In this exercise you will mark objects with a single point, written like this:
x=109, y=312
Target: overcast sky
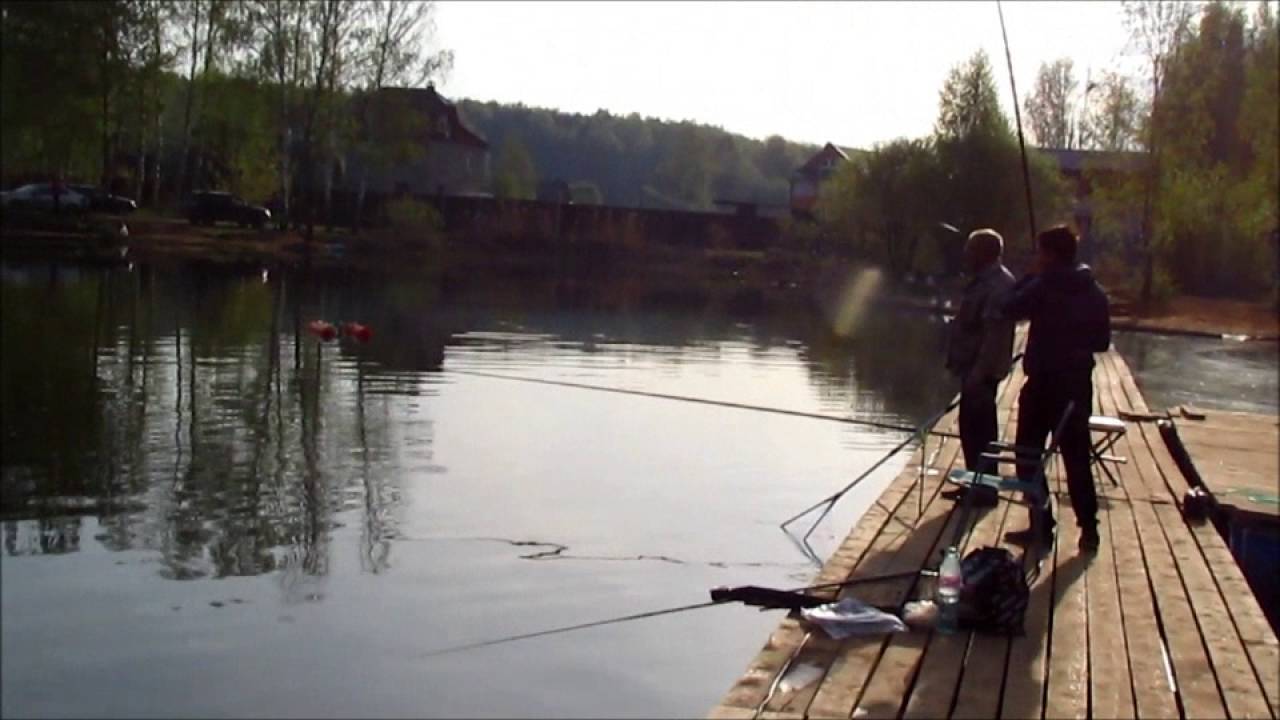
x=854, y=73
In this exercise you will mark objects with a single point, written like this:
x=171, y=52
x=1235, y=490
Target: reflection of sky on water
x=1204, y=372
x=202, y=516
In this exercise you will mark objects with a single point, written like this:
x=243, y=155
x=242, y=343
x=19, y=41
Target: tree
x=968, y=101
x=150, y=57
x=1157, y=28
x=514, y=174
x=880, y=202
x=982, y=161
x=47, y=94
x=332, y=26
x=393, y=55
x=1111, y=116
x=1050, y=107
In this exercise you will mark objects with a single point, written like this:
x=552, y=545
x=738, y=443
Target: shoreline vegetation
x=750, y=278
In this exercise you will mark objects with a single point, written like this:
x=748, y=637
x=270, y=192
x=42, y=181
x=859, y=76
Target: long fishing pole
x=830, y=501
x=1017, y=116
x=703, y=401
x=665, y=611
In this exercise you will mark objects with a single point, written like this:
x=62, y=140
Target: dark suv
x=209, y=208
x=102, y=201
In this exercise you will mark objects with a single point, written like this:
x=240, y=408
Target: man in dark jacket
x=979, y=346
x=1070, y=321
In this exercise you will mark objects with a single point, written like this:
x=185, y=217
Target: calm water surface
x=1204, y=372
x=206, y=512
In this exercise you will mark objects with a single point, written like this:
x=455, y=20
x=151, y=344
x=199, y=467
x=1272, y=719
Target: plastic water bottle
x=950, y=581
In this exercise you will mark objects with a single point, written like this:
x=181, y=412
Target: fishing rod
x=702, y=401
x=828, y=503
x=1017, y=115
x=764, y=598
x=920, y=433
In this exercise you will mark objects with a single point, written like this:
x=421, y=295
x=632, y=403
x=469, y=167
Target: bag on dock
x=995, y=593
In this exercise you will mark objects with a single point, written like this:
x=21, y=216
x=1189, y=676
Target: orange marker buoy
x=355, y=330
x=323, y=330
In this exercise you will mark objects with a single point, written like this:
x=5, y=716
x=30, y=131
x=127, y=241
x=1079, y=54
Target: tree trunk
x=190, y=101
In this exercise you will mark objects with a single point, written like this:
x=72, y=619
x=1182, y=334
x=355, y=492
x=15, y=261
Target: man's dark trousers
x=1040, y=407
x=978, y=424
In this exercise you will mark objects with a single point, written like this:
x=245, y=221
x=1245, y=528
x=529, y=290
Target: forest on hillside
x=631, y=160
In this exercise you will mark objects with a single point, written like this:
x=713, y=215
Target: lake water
x=207, y=512
x=1204, y=372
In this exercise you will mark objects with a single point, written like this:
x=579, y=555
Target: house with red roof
x=807, y=180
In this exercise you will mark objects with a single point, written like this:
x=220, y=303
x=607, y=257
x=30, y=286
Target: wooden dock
x=1159, y=623
x=1237, y=455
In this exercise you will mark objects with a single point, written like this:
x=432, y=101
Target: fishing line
x=1017, y=115
x=653, y=613
x=702, y=401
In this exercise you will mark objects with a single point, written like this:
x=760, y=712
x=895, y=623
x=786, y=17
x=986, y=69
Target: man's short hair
x=988, y=240
x=1060, y=243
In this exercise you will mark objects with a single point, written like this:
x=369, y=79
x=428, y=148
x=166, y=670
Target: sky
x=852, y=73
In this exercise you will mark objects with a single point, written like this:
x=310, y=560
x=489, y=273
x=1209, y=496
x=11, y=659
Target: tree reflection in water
x=170, y=389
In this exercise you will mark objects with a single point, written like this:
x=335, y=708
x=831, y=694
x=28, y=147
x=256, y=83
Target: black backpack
x=995, y=593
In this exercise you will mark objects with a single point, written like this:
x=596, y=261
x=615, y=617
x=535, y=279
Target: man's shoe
x=1089, y=539
x=956, y=494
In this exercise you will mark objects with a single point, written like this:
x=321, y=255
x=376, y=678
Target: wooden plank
x=1153, y=692
x=944, y=661
x=889, y=680
x=848, y=660
x=845, y=684
x=856, y=658
x=982, y=682
x=1197, y=684
x=752, y=688
x=1225, y=612
x=1110, y=679
x=1067, y=655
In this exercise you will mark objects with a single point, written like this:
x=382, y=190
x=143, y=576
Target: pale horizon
x=852, y=73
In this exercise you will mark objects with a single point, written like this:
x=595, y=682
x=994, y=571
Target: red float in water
x=323, y=330
x=355, y=330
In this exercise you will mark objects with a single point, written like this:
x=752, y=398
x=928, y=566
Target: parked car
x=41, y=196
x=210, y=208
x=103, y=201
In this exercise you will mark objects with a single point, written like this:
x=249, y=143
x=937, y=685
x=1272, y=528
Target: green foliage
x=880, y=202
x=647, y=162
x=1050, y=108
x=1215, y=191
x=415, y=221
x=887, y=205
x=514, y=173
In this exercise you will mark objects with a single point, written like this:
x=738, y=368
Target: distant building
x=423, y=147
x=807, y=180
x=1085, y=168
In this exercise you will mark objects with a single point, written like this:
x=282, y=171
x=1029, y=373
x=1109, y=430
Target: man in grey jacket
x=980, y=346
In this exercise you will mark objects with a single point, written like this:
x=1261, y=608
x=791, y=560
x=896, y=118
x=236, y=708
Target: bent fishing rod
x=1017, y=116
x=702, y=401
x=764, y=598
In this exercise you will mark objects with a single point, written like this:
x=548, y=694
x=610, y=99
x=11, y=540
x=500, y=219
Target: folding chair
x=1109, y=430
x=1034, y=491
